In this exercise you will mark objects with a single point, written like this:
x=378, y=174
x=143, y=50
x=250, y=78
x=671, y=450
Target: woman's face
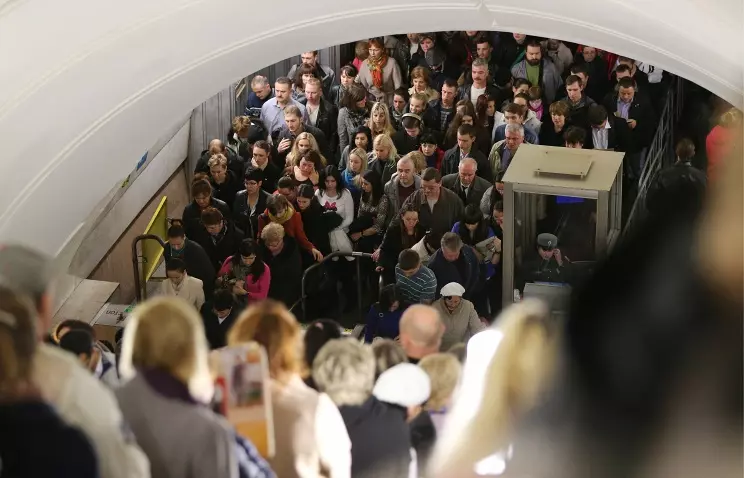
x=491, y=110
x=346, y=80
x=428, y=149
x=219, y=174
x=394, y=306
x=382, y=152
x=260, y=156
x=471, y=227
x=378, y=117
x=427, y=44
x=467, y=119
x=589, y=54
x=361, y=104
x=330, y=183
x=399, y=103
x=366, y=186
x=307, y=167
x=361, y=141
x=374, y=51
x=275, y=247
x=558, y=120
x=419, y=85
x=202, y=200
x=306, y=77
x=500, y=187
x=355, y=164
x=303, y=146
x=410, y=219
x=498, y=216
x=303, y=203
x=248, y=260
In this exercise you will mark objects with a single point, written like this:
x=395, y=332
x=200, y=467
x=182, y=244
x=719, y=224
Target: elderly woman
x=281, y=254
x=225, y=185
x=380, y=444
x=379, y=74
x=444, y=371
x=309, y=430
x=280, y=211
x=384, y=158
x=421, y=83
x=458, y=315
x=164, y=359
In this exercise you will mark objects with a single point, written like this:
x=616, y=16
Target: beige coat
x=460, y=324
x=391, y=80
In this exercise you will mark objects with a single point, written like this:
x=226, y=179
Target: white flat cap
x=405, y=384
x=453, y=288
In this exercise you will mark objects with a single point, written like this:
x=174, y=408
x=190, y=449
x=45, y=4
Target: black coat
x=548, y=136
x=380, y=443
x=280, y=159
x=392, y=244
x=618, y=138
x=430, y=119
x=226, y=191
x=641, y=111
x=215, y=331
x=244, y=219
x=436, y=110
x=286, y=272
x=463, y=92
x=404, y=144
x=225, y=247
x=191, y=216
x=234, y=163
x=197, y=264
x=452, y=160
x=327, y=122
x=35, y=441
x=477, y=188
x=316, y=225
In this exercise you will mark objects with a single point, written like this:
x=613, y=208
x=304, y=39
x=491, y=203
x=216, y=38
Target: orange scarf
x=375, y=67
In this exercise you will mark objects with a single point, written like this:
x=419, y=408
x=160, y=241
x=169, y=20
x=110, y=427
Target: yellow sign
x=152, y=252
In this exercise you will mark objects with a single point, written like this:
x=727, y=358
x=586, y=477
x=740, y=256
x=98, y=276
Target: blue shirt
x=382, y=324
x=529, y=134
x=272, y=115
x=490, y=268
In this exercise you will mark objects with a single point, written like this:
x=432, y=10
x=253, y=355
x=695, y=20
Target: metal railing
x=140, y=289
x=661, y=152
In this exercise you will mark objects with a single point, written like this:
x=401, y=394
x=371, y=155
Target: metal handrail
x=661, y=152
x=135, y=261
x=356, y=256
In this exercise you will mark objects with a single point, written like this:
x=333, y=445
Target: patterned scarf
x=375, y=67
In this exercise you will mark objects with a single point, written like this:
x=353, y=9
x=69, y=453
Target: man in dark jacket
x=193, y=255
x=469, y=187
x=455, y=263
x=261, y=92
x=444, y=108
x=201, y=193
x=217, y=146
x=465, y=149
x=219, y=238
x=480, y=84
x=626, y=103
x=408, y=137
x=438, y=208
x=321, y=113
x=577, y=101
x=607, y=131
x=218, y=315
x=250, y=203
x=539, y=71
x=324, y=72
x=281, y=253
x=290, y=130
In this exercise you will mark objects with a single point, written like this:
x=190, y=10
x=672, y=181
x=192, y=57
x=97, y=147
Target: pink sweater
x=257, y=290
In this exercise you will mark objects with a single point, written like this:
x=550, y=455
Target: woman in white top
x=180, y=284
x=310, y=435
x=333, y=196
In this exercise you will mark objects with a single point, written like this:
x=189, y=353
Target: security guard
x=548, y=266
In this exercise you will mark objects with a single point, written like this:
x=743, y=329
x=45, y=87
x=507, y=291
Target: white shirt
x=190, y=289
x=601, y=136
x=344, y=206
x=475, y=93
x=312, y=112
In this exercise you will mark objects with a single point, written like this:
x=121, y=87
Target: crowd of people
x=400, y=156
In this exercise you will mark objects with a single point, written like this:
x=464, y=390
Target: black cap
x=547, y=241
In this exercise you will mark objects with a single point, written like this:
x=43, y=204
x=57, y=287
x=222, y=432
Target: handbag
x=361, y=222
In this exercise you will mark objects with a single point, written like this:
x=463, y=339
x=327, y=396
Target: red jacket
x=292, y=227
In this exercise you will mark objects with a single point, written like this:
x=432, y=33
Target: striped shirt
x=420, y=287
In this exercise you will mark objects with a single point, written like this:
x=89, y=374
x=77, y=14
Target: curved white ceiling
x=87, y=85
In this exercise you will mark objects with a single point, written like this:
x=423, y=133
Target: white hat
x=405, y=384
x=453, y=288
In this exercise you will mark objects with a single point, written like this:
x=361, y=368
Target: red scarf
x=375, y=67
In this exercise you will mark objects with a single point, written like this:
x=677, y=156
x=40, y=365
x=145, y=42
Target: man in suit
x=469, y=187
x=219, y=315
x=608, y=132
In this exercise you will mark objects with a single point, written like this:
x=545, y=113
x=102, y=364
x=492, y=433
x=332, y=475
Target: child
x=536, y=104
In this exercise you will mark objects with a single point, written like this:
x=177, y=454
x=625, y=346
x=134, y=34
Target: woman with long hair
x=304, y=72
x=379, y=74
x=351, y=176
x=303, y=143
x=246, y=273
x=309, y=431
x=379, y=120
x=465, y=115
x=352, y=114
x=421, y=83
x=307, y=170
x=333, y=196
x=405, y=234
x=384, y=158
x=362, y=139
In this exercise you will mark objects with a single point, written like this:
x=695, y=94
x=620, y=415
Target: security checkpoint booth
x=575, y=194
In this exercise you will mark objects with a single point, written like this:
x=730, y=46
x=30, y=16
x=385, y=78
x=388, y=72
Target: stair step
x=86, y=301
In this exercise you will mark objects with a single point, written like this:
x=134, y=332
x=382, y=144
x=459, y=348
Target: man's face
x=428, y=149
x=416, y=106
x=312, y=93
x=282, y=92
x=260, y=156
x=202, y=200
x=176, y=243
x=448, y=94
x=622, y=74
x=498, y=216
x=450, y=255
x=262, y=91
x=399, y=103
x=427, y=44
x=288, y=193
x=521, y=102
x=584, y=79
x=431, y=189
x=303, y=203
x=545, y=255
x=214, y=229
x=626, y=94
x=465, y=142
x=346, y=80
x=452, y=301
x=553, y=44
x=467, y=174
x=589, y=54
x=221, y=314
x=293, y=123
x=471, y=33
x=480, y=73
x=413, y=132
x=499, y=187
x=218, y=173
x=411, y=272
x=574, y=145
x=513, y=140
x=309, y=58
x=175, y=276
x=533, y=55
x=405, y=173
x=512, y=118
x=483, y=50
x=251, y=187
x=574, y=92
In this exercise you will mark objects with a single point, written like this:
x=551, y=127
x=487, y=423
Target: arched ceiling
x=87, y=85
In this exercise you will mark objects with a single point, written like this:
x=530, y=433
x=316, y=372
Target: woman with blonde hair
x=303, y=143
x=351, y=176
x=384, y=157
x=421, y=83
x=379, y=120
x=310, y=433
x=168, y=382
x=34, y=441
x=444, y=371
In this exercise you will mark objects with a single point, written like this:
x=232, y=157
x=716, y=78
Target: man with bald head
x=405, y=183
x=421, y=332
x=465, y=183
x=217, y=146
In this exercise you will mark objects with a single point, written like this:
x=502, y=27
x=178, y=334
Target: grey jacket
x=459, y=325
x=391, y=191
x=550, y=80
x=181, y=439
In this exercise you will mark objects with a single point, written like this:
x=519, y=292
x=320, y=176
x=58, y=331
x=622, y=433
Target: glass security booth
x=572, y=199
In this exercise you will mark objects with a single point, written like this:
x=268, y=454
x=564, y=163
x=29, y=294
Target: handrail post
x=135, y=261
